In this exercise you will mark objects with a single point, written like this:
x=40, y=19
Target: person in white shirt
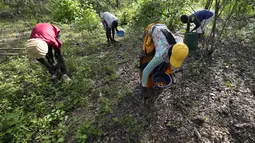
x=110, y=23
x=169, y=51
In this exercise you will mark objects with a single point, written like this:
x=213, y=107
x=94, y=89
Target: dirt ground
x=212, y=101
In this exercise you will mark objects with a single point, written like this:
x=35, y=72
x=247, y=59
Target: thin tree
x=208, y=4
x=211, y=38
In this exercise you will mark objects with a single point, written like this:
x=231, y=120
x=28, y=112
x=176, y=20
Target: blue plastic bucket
x=120, y=33
x=161, y=77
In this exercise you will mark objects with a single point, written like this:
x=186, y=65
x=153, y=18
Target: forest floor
x=212, y=101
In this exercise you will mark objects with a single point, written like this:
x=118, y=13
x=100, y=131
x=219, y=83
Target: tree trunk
x=212, y=36
x=208, y=4
x=98, y=7
x=117, y=3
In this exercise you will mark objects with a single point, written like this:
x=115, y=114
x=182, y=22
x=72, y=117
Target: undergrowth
x=33, y=108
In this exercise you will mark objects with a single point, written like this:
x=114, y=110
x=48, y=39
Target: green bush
x=90, y=19
x=144, y=12
x=32, y=107
x=127, y=14
x=67, y=10
x=89, y=130
x=72, y=11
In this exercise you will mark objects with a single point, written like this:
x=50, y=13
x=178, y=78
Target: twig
x=198, y=135
x=208, y=4
x=226, y=21
x=9, y=54
x=12, y=48
x=179, y=70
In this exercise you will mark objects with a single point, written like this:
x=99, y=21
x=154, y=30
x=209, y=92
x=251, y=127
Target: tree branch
x=226, y=21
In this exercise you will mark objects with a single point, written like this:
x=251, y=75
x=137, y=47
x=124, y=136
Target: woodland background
x=212, y=101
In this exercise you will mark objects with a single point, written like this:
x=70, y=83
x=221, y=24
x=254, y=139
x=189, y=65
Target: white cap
x=36, y=48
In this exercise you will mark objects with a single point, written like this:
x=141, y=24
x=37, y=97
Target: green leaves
x=88, y=130
x=72, y=11
x=68, y=10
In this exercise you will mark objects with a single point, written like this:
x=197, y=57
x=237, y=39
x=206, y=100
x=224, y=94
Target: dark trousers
x=58, y=56
x=110, y=30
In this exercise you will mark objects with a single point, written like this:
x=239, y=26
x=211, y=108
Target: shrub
x=67, y=10
x=90, y=20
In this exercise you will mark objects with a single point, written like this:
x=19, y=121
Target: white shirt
x=161, y=44
x=109, y=18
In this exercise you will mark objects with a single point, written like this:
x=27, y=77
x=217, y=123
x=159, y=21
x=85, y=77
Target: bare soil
x=212, y=101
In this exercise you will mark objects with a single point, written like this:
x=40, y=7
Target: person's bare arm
x=49, y=67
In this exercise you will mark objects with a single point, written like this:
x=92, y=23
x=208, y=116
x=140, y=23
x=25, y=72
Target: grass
x=35, y=109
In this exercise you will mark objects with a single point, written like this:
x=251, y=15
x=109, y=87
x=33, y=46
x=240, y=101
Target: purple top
x=200, y=15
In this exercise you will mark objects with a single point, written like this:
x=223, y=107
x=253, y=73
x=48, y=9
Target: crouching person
x=44, y=42
x=160, y=47
x=200, y=18
x=110, y=23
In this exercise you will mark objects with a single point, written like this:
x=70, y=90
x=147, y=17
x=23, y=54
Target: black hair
x=184, y=18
